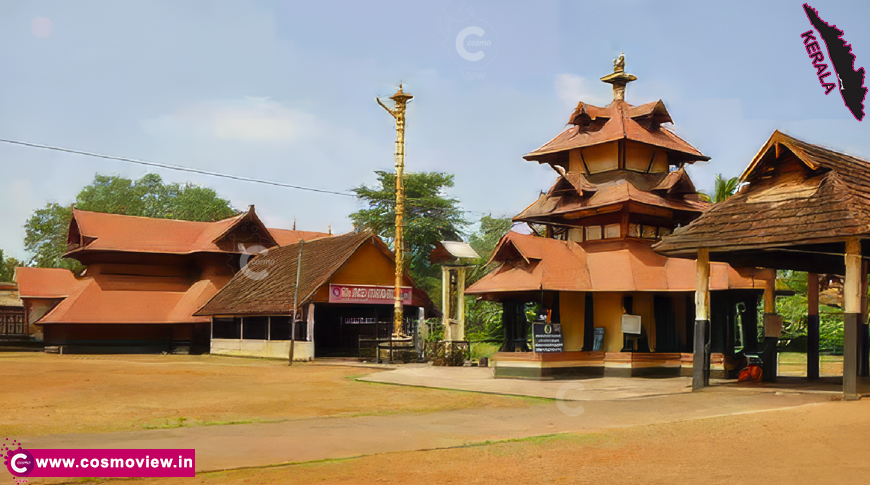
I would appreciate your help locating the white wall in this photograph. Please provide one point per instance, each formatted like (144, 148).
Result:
(275, 349)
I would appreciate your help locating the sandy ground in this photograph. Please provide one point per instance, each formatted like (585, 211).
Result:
(822, 443)
(52, 394)
(795, 438)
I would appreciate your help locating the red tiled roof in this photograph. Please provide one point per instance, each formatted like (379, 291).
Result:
(114, 232)
(592, 196)
(591, 125)
(46, 282)
(108, 299)
(531, 263)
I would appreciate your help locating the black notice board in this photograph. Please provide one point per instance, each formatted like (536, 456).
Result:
(598, 339)
(547, 337)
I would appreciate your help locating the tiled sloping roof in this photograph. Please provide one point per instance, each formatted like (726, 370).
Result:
(530, 263)
(614, 192)
(831, 201)
(108, 299)
(114, 232)
(285, 237)
(46, 282)
(273, 293)
(619, 120)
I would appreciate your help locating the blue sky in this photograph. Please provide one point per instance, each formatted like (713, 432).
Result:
(286, 91)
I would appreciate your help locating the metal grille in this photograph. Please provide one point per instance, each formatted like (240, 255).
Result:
(11, 324)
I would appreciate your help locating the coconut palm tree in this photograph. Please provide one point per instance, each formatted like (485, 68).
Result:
(722, 189)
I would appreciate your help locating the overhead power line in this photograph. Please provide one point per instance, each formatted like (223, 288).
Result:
(178, 168)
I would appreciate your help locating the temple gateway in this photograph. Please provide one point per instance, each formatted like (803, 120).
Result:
(622, 309)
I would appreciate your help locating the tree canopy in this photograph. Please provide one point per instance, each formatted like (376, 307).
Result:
(722, 189)
(430, 215)
(7, 267)
(46, 230)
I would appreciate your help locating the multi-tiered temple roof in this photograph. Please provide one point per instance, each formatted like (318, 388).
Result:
(622, 185)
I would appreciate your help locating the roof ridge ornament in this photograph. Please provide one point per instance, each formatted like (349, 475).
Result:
(619, 78)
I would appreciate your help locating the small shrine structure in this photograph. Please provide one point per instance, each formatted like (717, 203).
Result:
(621, 186)
(801, 207)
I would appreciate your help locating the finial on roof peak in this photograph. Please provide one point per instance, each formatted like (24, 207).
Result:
(619, 63)
(618, 78)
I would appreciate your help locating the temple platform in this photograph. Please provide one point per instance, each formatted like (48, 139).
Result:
(578, 365)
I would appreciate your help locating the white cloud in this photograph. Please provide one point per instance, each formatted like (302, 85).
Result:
(571, 88)
(41, 27)
(250, 119)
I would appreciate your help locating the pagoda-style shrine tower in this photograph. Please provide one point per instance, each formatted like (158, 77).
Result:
(622, 174)
(621, 185)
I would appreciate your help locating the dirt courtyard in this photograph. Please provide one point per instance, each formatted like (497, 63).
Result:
(819, 441)
(61, 394)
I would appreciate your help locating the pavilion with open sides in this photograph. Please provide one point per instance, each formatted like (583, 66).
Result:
(805, 208)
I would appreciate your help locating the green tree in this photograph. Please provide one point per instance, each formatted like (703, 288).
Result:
(45, 237)
(793, 310)
(7, 267)
(430, 216)
(722, 189)
(46, 230)
(483, 318)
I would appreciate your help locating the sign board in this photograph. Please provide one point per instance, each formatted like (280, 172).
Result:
(367, 295)
(547, 337)
(598, 339)
(631, 324)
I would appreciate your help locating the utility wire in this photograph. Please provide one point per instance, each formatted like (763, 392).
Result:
(187, 169)
(176, 167)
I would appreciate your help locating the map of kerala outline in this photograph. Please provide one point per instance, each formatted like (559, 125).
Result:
(840, 54)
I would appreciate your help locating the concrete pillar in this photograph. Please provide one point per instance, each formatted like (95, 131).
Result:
(812, 325)
(852, 315)
(459, 330)
(701, 360)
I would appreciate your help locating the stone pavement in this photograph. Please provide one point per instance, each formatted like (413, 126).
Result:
(480, 379)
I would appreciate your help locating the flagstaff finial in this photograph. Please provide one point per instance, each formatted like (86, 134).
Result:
(619, 78)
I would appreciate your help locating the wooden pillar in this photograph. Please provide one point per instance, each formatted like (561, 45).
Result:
(701, 359)
(852, 315)
(772, 330)
(863, 348)
(509, 323)
(812, 325)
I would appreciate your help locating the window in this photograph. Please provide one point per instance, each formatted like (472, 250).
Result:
(634, 230)
(254, 328)
(279, 328)
(575, 234)
(593, 233)
(227, 328)
(648, 232)
(612, 231)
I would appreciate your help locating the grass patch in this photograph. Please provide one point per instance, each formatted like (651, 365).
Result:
(483, 349)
